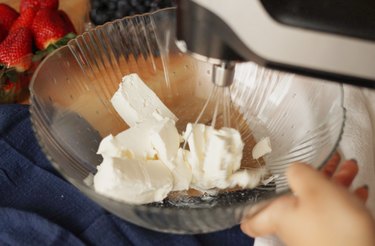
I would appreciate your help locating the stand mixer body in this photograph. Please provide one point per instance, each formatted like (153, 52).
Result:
(332, 40)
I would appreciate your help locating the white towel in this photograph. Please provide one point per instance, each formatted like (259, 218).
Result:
(358, 138)
(358, 142)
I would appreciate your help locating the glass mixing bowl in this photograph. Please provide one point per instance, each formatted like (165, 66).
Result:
(71, 112)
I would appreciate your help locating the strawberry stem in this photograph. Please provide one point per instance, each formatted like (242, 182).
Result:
(8, 75)
(12, 75)
(40, 54)
(2, 76)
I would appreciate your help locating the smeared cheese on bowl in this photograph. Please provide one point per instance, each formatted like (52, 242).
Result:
(144, 163)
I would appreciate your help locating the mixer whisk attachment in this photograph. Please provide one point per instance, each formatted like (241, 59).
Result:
(218, 110)
(217, 144)
(219, 101)
(223, 74)
(218, 104)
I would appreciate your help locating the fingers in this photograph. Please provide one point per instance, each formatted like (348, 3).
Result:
(362, 193)
(302, 179)
(346, 173)
(305, 181)
(331, 165)
(270, 219)
(345, 176)
(309, 186)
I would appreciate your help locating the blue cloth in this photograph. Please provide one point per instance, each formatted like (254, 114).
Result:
(38, 207)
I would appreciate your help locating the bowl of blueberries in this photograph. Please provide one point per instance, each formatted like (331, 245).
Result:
(103, 11)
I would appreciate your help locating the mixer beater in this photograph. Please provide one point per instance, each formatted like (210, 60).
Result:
(219, 112)
(219, 99)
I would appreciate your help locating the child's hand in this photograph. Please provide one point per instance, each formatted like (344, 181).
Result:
(321, 212)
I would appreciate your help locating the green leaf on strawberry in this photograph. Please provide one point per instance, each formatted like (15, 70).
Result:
(8, 75)
(2, 75)
(40, 54)
(65, 39)
(12, 75)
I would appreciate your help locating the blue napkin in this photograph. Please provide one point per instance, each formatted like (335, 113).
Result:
(38, 207)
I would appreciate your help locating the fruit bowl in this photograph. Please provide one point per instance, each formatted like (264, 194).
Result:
(71, 113)
(102, 11)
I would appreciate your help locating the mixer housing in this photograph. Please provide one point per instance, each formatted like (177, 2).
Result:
(331, 40)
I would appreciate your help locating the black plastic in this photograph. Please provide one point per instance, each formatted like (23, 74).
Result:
(354, 18)
(334, 77)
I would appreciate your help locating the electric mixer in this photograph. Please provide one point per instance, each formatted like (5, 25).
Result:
(332, 40)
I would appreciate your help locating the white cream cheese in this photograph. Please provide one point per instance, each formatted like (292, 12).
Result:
(223, 155)
(133, 181)
(247, 178)
(135, 102)
(214, 155)
(152, 139)
(262, 148)
(145, 162)
(164, 138)
(182, 173)
(133, 143)
(195, 135)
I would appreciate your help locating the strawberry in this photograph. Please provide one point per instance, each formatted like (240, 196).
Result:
(37, 4)
(7, 16)
(49, 4)
(68, 23)
(48, 28)
(27, 4)
(16, 50)
(14, 91)
(24, 20)
(3, 33)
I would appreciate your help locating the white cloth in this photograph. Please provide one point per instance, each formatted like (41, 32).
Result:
(358, 142)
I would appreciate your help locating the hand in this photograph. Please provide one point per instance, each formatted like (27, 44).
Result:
(321, 211)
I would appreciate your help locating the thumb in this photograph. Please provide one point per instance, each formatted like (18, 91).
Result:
(302, 179)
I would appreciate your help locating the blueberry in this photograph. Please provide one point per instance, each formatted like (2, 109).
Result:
(119, 14)
(95, 4)
(154, 4)
(134, 2)
(140, 9)
(112, 6)
(132, 12)
(99, 17)
(147, 3)
(122, 10)
(123, 5)
(108, 10)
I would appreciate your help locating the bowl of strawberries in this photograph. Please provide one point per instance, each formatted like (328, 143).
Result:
(26, 37)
